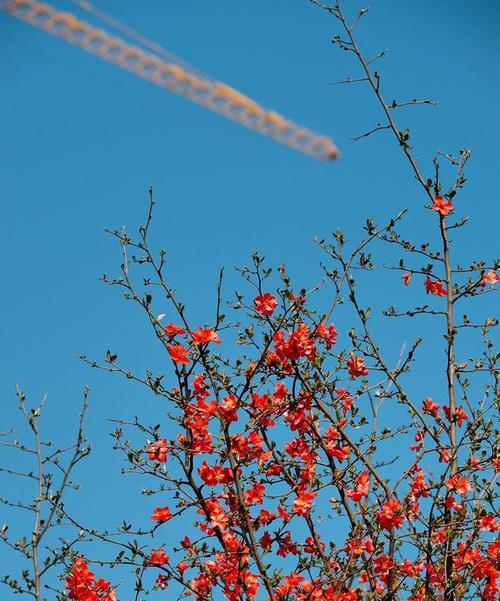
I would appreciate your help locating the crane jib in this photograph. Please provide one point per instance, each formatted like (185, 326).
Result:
(178, 78)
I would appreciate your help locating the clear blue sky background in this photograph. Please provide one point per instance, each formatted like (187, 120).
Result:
(81, 141)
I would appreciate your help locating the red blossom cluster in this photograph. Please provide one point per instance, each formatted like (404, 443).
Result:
(391, 515)
(172, 330)
(158, 557)
(212, 476)
(295, 586)
(356, 366)
(430, 407)
(178, 352)
(442, 206)
(490, 277)
(435, 287)
(204, 336)
(82, 585)
(229, 569)
(161, 514)
(361, 487)
(158, 450)
(458, 416)
(300, 343)
(265, 304)
(328, 333)
(459, 484)
(483, 566)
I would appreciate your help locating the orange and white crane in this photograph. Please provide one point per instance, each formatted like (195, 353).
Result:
(164, 69)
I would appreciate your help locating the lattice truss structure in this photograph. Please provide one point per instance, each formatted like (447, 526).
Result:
(173, 76)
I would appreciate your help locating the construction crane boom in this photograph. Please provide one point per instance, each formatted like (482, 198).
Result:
(173, 76)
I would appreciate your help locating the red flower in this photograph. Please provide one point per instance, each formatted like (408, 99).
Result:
(286, 545)
(430, 407)
(202, 586)
(300, 300)
(171, 331)
(200, 388)
(205, 336)
(474, 463)
(182, 567)
(186, 544)
(345, 399)
(332, 444)
(442, 206)
(390, 516)
(177, 353)
(494, 550)
(356, 547)
(228, 409)
(284, 515)
(439, 536)
(261, 402)
(419, 487)
(356, 366)
(162, 581)
(412, 570)
(435, 287)
(406, 278)
(265, 304)
(329, 334)
(266, 516)
(158, 557)
(303, 502)
(489, 522)
(284, 591)
(311, 545)
(299, 344)
(218, 518)
(444, 456)
(158, 450)
(459, 415)
(383, 564)
(266, 541)
(361, 488)
(83, 586)
(255, 494)
(161, 514)
(490, 277)
(450, 503)
(215, 475)
(459, 484)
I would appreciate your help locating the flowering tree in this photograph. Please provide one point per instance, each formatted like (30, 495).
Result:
(276, 457)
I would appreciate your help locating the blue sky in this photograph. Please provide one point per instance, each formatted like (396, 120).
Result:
(81, 141)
